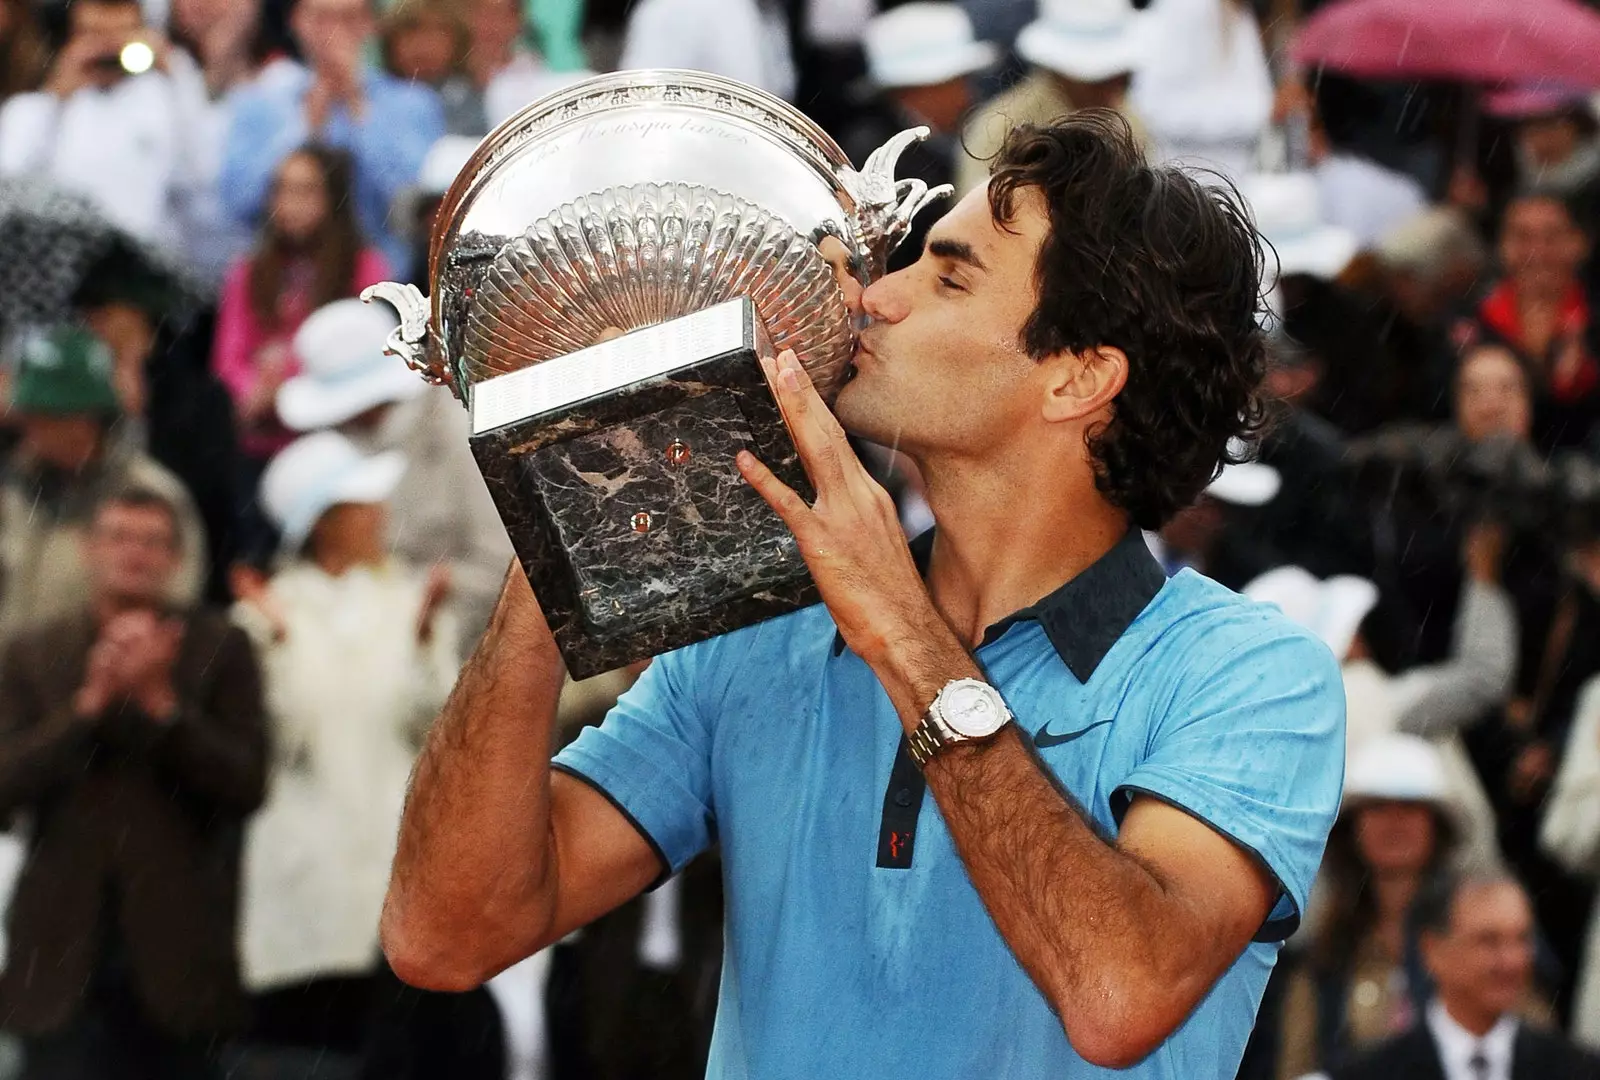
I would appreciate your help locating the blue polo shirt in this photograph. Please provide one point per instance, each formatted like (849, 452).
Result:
(856, 945)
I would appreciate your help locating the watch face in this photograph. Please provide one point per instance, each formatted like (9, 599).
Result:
(973, 709)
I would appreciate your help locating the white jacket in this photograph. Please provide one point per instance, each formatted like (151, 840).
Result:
(136, 150)
(349, 692)
(1571, 835)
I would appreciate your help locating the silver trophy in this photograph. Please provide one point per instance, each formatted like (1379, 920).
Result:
(686, 211)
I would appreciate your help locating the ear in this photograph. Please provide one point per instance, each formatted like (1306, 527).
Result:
(1081, 384)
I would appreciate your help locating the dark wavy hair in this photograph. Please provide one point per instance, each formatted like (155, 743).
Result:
(334, 252)
(1150, 261)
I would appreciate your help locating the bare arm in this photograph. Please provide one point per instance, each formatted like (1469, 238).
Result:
(498, 857)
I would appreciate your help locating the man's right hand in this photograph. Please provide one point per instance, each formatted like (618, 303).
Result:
(71, 70)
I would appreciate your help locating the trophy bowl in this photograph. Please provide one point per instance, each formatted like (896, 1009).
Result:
(684, 211)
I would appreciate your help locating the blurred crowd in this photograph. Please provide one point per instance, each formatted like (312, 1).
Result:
(243, 553)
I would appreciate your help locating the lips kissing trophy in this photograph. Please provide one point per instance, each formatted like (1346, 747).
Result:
(685, 210)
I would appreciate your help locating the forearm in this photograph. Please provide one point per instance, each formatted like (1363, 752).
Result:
(1440, 699)
(1092, 925)
(473, 877)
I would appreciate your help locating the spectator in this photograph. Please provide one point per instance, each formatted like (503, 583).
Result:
(72, 453)
(419, 204)
(1476, 937)
(920, 58)
(1541, 309)
(503, 74)
(746, 40)
(1082, 55)
(132, 735)
(223, 37)
(1204, 90)
(1432, 701)
(357, 656)
(1571, 829)
(387, 125)
(441, 511)
(129, 142)
(1359, 982)
(425, 41)
(1556, 145)
(1426, 269)
(23, 56)
(310, 254)
(1214, 536)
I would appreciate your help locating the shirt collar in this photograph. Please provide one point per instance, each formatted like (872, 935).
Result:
(1086, 616)
(1457, 1045)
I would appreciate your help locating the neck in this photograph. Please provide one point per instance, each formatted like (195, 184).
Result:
(1005, 541)
(1540, 296)
(335, 557)
(1477, 1020)
(1393, 891)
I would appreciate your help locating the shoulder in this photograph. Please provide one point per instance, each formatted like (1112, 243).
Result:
(57, 638)
(1546, 1051)
(1215, 629)
(212, 629)
(1401, 1057)
(371, 267)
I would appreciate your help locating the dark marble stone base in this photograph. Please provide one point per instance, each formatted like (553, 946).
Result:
(633, 523)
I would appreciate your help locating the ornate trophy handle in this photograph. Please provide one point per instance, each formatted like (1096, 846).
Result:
(885, 206)
(410, 341)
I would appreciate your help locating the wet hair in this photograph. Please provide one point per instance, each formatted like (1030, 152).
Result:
(143, 498)
(1151, 261)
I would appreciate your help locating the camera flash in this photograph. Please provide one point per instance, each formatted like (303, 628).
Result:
(137, 58)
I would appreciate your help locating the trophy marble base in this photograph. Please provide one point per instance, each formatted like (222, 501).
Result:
(624, 504)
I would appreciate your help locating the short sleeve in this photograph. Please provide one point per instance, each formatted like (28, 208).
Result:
(652, 758)
(1257, 752)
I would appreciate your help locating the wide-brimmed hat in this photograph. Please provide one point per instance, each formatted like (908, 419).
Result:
(319, 471)
(344, 371)
(1397, 768)
(1287, 208)
(1087, 40)
(62, 371)
(1331, 609)
(923, 44)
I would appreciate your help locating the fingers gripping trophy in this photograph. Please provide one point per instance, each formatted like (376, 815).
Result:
(707, 221)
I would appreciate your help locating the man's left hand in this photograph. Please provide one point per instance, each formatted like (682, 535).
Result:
(851, 537)
(144, 647)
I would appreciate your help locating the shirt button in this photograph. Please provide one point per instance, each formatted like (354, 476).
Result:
(902, 797)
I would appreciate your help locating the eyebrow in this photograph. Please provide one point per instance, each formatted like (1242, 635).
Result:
(956, 251)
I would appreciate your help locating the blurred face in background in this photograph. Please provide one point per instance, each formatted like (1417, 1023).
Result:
(195, 19)
(494, 27)
(1492, 395)
(132, 552)
(352, 532)
(940, 106)
(1541, 247)
(424, 47)
(106, 27)
(1395, 837)
(1483, 962)
(332, 34)
(69, 443)
(1546, 141)
(299, 206)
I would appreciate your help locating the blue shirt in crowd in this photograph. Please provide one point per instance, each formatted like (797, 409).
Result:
(398, 124)
(857, 946)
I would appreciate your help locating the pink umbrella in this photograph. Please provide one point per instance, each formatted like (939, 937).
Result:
(1482, 41)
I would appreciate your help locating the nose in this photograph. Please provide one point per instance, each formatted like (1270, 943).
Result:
(885, 299)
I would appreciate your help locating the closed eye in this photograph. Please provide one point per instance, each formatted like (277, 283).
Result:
(949, 283)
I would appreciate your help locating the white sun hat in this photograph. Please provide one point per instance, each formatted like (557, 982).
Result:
(1087, 40)
(344, 371)
(1287, 209)
(923, 44)
(1398, 767)
(319, 471)
(1331, 609)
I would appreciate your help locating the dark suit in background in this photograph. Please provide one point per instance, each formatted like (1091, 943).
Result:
(1414, 1056)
